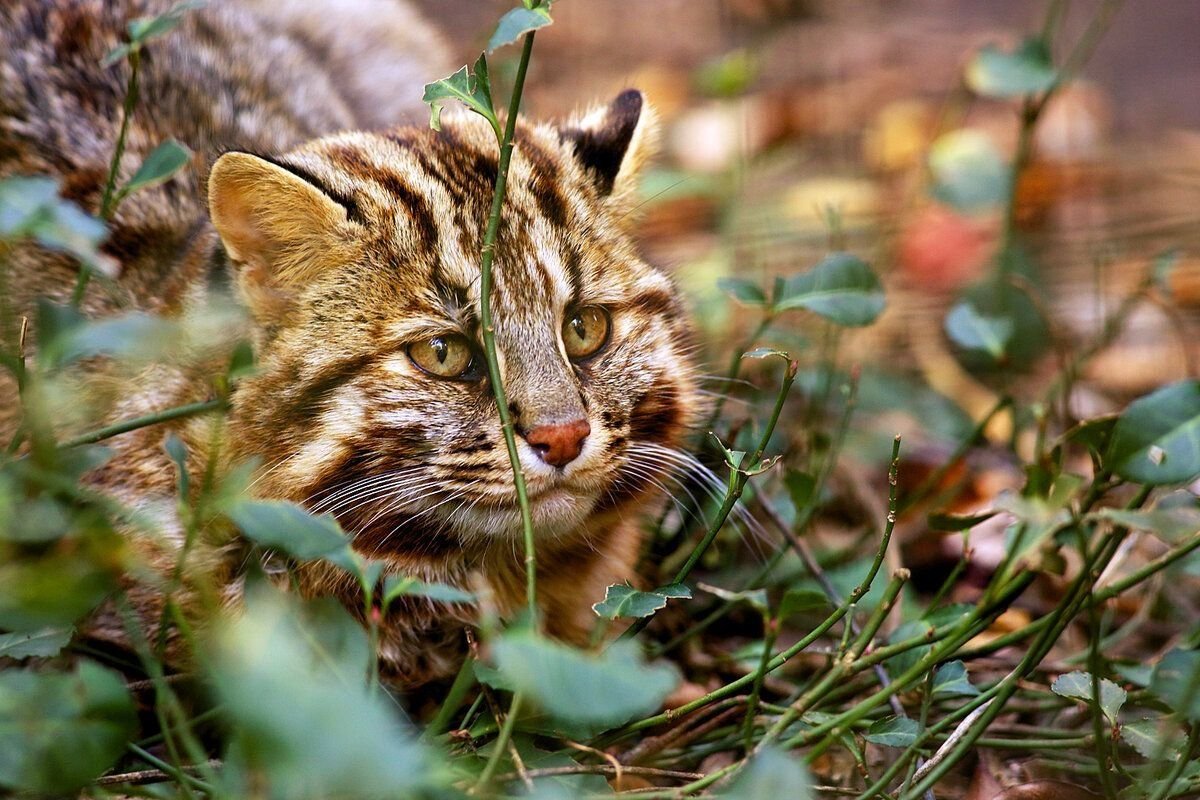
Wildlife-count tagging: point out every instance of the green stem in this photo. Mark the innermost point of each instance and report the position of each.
(110, 199)
(458, 690)
(116, 429)
(489, 331)
(737, 486)
(503, 738)
(773, 624)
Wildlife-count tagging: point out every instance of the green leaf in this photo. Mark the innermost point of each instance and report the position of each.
(1146, 736)
(894, 732)
(31, 207)
(967, 171)
(302, 721)
(285, 526)
(1078, 686)
(1157, 438)
(1176, 680)
(800, 487)
(473, 90)
(972, 330)
(586, 691)
(1162, 268)
(135, 335)
(402, 586)
(755, 598)
(516, 23)
(622, 600)
(143, 29)
(770, 774)
(958, 522)
(58, 731)
(1171, 525)
(743, 290)
(1026, 70)
(728, 75)
(951, 680)
(841, 288)
(1001, 326)
(798, 601)
(162, 163)
(40, 643)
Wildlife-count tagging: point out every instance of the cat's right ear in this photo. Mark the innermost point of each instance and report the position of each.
(279, 228)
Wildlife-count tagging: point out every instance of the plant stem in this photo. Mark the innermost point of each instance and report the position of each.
(489, 331)
(116, 429)
(500, 745)
(110, 200)
(737, 485)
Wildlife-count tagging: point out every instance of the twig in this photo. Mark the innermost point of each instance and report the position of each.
(167, 415)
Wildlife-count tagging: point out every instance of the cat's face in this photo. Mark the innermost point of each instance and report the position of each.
(359, 256)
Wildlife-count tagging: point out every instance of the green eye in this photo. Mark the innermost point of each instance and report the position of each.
(449, 356)
(585, 331)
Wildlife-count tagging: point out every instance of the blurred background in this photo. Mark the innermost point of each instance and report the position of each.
(779, 112)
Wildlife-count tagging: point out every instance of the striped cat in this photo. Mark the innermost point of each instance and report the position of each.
(357, 257)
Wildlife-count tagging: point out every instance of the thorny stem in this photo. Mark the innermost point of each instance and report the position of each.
(489, 329)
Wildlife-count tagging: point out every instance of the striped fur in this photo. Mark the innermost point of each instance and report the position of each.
(352, 246)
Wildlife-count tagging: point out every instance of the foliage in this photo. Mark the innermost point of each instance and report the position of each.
(822, 653)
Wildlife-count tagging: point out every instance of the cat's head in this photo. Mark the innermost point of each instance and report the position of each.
(359, 257)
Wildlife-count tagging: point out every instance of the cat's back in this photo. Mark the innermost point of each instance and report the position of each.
(255, 75)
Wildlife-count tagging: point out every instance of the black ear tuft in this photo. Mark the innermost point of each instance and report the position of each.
(602, 139)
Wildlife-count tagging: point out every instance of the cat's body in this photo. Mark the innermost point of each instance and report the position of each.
(357, 255)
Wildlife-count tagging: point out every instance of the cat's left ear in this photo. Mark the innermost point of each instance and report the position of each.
(614, 143)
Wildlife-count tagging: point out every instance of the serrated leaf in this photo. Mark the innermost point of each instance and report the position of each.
(58, 731)
(472, 90)
(622, 600)
(1157, 438)
(743, 290)
(400, 586)
(967, 171)
(285, 526)
(770, 774)
(1176, 680)
(894, 732)
(1026, 70)
(40, 644)
(516, 23)
(1146, 737)
(584, 690)
(1078, 686)
(970, 329)
(841, 288)
(951, 680)
(162, 163)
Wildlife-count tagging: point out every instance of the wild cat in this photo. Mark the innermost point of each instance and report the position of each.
(357, 256)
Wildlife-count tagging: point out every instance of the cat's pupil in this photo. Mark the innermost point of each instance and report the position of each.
(439, 349)
(579, 327)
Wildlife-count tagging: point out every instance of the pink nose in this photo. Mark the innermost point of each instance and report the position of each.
(559, 445)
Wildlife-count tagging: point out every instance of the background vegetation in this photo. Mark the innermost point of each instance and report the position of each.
(1007, 609)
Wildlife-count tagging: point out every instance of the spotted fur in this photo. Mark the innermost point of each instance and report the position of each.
(350, 247)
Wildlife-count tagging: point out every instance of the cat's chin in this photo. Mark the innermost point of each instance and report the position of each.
(556, 512)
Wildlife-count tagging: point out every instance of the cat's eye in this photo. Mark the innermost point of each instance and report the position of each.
(585, 331)
(447, 356)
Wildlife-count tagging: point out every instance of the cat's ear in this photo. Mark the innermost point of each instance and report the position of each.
(614, 143)
(279, 226)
